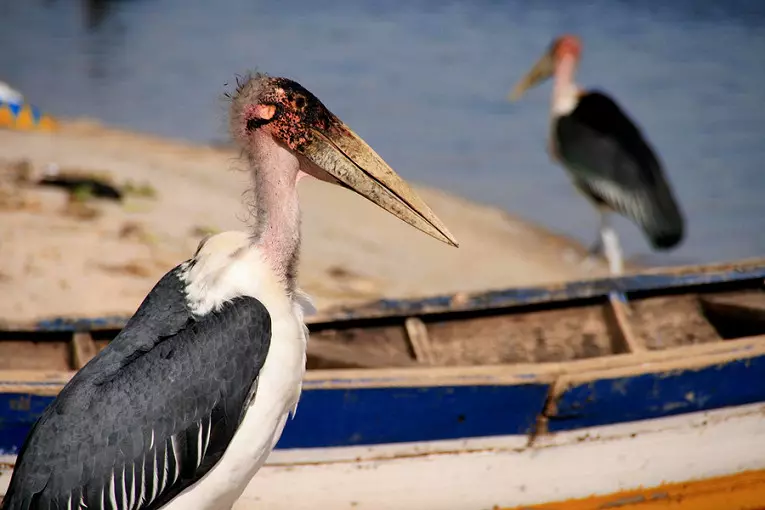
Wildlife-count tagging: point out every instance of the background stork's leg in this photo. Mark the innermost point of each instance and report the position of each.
(596, 249)
(611, 247)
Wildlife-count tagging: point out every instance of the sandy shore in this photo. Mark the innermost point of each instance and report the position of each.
(102, 257)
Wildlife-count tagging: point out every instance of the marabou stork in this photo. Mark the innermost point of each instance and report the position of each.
(182, 408)
(606, 155)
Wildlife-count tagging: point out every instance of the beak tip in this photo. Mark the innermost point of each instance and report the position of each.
(450, 239)
(515, 94)
(369, 176)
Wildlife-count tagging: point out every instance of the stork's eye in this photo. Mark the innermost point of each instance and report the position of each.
(262, 114)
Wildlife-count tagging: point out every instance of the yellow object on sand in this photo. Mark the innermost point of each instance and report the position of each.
(25, 117)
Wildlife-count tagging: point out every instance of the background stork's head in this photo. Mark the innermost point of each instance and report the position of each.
(269, 115)
(562, 47)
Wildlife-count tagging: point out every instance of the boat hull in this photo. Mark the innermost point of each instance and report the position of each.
(643, 392)
(713, 459)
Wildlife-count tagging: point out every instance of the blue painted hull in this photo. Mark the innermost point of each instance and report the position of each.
(370, 416)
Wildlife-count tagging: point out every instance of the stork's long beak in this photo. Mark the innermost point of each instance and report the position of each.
(541, 71)
(344, 155)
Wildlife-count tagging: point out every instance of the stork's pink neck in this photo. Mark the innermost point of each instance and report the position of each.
(565, 91)
(276, 172)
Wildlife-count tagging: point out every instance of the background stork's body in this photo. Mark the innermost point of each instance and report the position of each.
(183, 407)
(606, 155)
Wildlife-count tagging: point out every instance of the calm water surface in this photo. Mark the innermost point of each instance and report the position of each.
(425, 83)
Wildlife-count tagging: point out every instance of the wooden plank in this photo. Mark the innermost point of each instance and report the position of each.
(622, 365)
(27, 355)
(376, 347)
(671, 322)
(539, 336)
(417, 333)
(621, 313)
(577, 371)
(542, 426)
(335, 355)
(83, 349)
(749, 305)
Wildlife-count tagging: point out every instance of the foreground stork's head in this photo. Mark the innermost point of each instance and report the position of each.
(565, 47)
(271, 116)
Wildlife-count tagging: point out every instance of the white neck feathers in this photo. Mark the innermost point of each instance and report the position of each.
(228, 265)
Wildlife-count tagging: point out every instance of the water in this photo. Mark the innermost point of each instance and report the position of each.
(425, 83)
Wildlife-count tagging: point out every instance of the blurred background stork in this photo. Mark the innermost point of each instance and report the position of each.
(607, 157)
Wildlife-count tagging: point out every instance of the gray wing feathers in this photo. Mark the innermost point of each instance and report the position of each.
(162, 420)
(162, 313)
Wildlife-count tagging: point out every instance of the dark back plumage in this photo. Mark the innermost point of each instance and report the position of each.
(612, 163)
(151, 413)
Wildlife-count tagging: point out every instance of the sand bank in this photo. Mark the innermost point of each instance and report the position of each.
(102, 257)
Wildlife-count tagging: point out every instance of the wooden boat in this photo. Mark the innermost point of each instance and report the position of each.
(641, 392)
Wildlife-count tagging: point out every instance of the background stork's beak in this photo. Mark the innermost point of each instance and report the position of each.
(346, 157)
(541, 71)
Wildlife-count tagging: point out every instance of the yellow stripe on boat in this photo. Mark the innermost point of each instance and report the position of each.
(25, 117)
(742, 491)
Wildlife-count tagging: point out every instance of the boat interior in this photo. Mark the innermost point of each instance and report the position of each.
(540, 325)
